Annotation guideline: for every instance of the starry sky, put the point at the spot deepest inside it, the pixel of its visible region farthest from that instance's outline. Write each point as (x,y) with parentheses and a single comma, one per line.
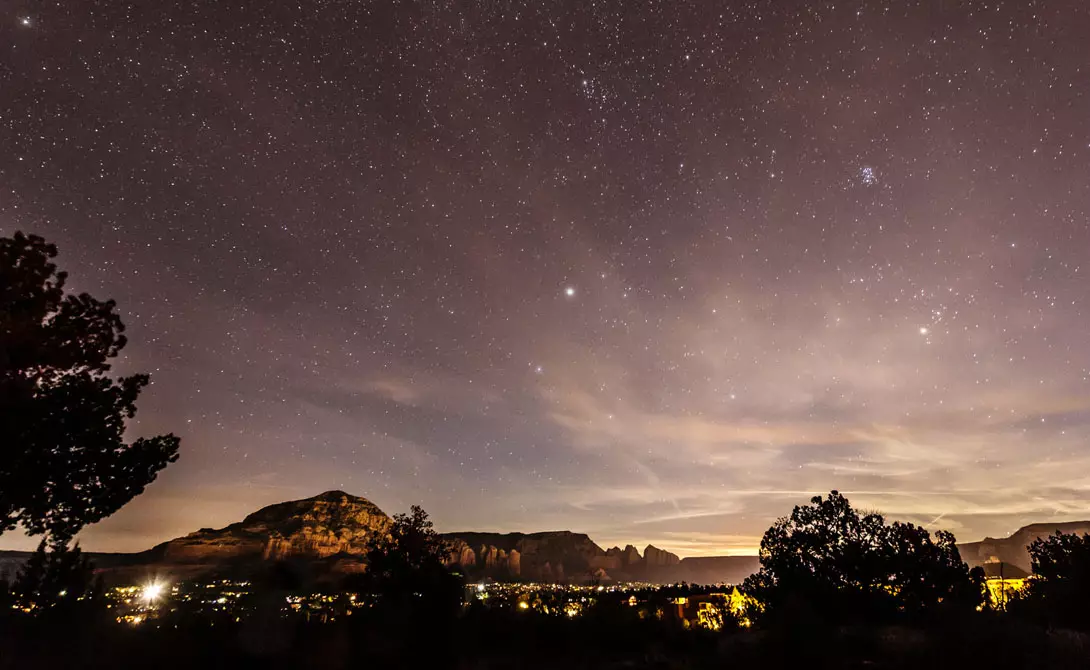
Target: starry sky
(654,271)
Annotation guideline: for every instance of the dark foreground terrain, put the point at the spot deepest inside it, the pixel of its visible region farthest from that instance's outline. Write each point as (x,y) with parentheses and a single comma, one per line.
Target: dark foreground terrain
(488,639)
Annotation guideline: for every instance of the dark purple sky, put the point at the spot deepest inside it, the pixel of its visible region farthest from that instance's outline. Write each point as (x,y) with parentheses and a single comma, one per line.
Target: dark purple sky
(656,271)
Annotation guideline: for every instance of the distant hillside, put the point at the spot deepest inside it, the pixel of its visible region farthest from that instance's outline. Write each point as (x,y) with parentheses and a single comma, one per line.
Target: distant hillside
(1012,550)
(548,556)
(564,555)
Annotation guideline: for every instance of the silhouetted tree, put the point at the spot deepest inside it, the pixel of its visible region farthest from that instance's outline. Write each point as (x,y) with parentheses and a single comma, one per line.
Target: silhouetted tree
(827,562)
(63,462)
(406,572)
(54,576)
(1059,591)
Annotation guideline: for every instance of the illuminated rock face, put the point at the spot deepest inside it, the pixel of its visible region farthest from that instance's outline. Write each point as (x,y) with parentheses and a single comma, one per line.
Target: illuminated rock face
(462,555)
(539,556)
(325,525)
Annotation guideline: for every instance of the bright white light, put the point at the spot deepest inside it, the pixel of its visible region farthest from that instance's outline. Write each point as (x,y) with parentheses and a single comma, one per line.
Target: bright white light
(153,591)
(25,21)
(569,291)
(924,330)
(480,588)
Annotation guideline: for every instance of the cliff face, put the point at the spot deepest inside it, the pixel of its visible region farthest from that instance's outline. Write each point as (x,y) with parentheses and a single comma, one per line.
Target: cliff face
(533,556)
(653,557)
(559,555)
(1013,549)
(315,528)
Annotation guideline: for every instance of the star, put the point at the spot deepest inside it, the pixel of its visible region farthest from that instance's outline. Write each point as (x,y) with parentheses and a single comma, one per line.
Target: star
(25,21)
(924,330)
(569,291)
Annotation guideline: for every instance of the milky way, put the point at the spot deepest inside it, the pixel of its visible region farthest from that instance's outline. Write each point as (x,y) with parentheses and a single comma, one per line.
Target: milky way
(655,271)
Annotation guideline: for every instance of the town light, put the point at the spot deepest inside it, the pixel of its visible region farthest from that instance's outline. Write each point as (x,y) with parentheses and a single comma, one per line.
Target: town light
(153,592)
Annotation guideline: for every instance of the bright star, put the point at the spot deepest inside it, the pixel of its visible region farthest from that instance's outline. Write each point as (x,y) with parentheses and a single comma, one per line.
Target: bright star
(924,330)
(25,21)
(569,291)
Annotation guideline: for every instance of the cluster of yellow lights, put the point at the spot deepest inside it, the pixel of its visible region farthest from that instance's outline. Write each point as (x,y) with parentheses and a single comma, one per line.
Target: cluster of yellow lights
(1000,591)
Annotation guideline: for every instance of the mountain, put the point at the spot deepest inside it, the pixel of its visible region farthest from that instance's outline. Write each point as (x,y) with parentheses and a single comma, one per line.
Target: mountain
(325,534)
(315,528)
(1013,550)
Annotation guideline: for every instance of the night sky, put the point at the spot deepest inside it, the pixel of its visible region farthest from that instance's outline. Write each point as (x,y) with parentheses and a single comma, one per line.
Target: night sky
(654,271)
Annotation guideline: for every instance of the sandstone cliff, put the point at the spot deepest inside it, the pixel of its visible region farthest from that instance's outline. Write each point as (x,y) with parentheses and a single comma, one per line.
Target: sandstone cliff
(326,525)
(554,555)
(653,557)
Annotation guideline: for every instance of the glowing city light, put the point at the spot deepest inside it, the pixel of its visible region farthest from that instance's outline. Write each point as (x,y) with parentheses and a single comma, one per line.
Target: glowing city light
(152,592)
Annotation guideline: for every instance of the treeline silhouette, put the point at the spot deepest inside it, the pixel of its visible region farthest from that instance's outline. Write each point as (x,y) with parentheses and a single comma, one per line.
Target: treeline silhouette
(836,589)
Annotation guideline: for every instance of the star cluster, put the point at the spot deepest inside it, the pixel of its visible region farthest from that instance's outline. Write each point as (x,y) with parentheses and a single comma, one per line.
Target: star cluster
(654,271)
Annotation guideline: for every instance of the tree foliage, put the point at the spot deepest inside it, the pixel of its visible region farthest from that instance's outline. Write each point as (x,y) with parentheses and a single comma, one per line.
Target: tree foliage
(64,462)
(826,557)
(53,577)
(406,570)
(1060,588)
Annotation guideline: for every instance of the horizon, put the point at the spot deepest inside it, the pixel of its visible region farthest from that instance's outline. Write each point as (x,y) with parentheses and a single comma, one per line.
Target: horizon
(28,543)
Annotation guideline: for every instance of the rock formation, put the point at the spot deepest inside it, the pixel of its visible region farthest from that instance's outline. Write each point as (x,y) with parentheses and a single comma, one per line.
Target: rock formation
(462,555)
(533,556)
(653,557)
(326,525)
